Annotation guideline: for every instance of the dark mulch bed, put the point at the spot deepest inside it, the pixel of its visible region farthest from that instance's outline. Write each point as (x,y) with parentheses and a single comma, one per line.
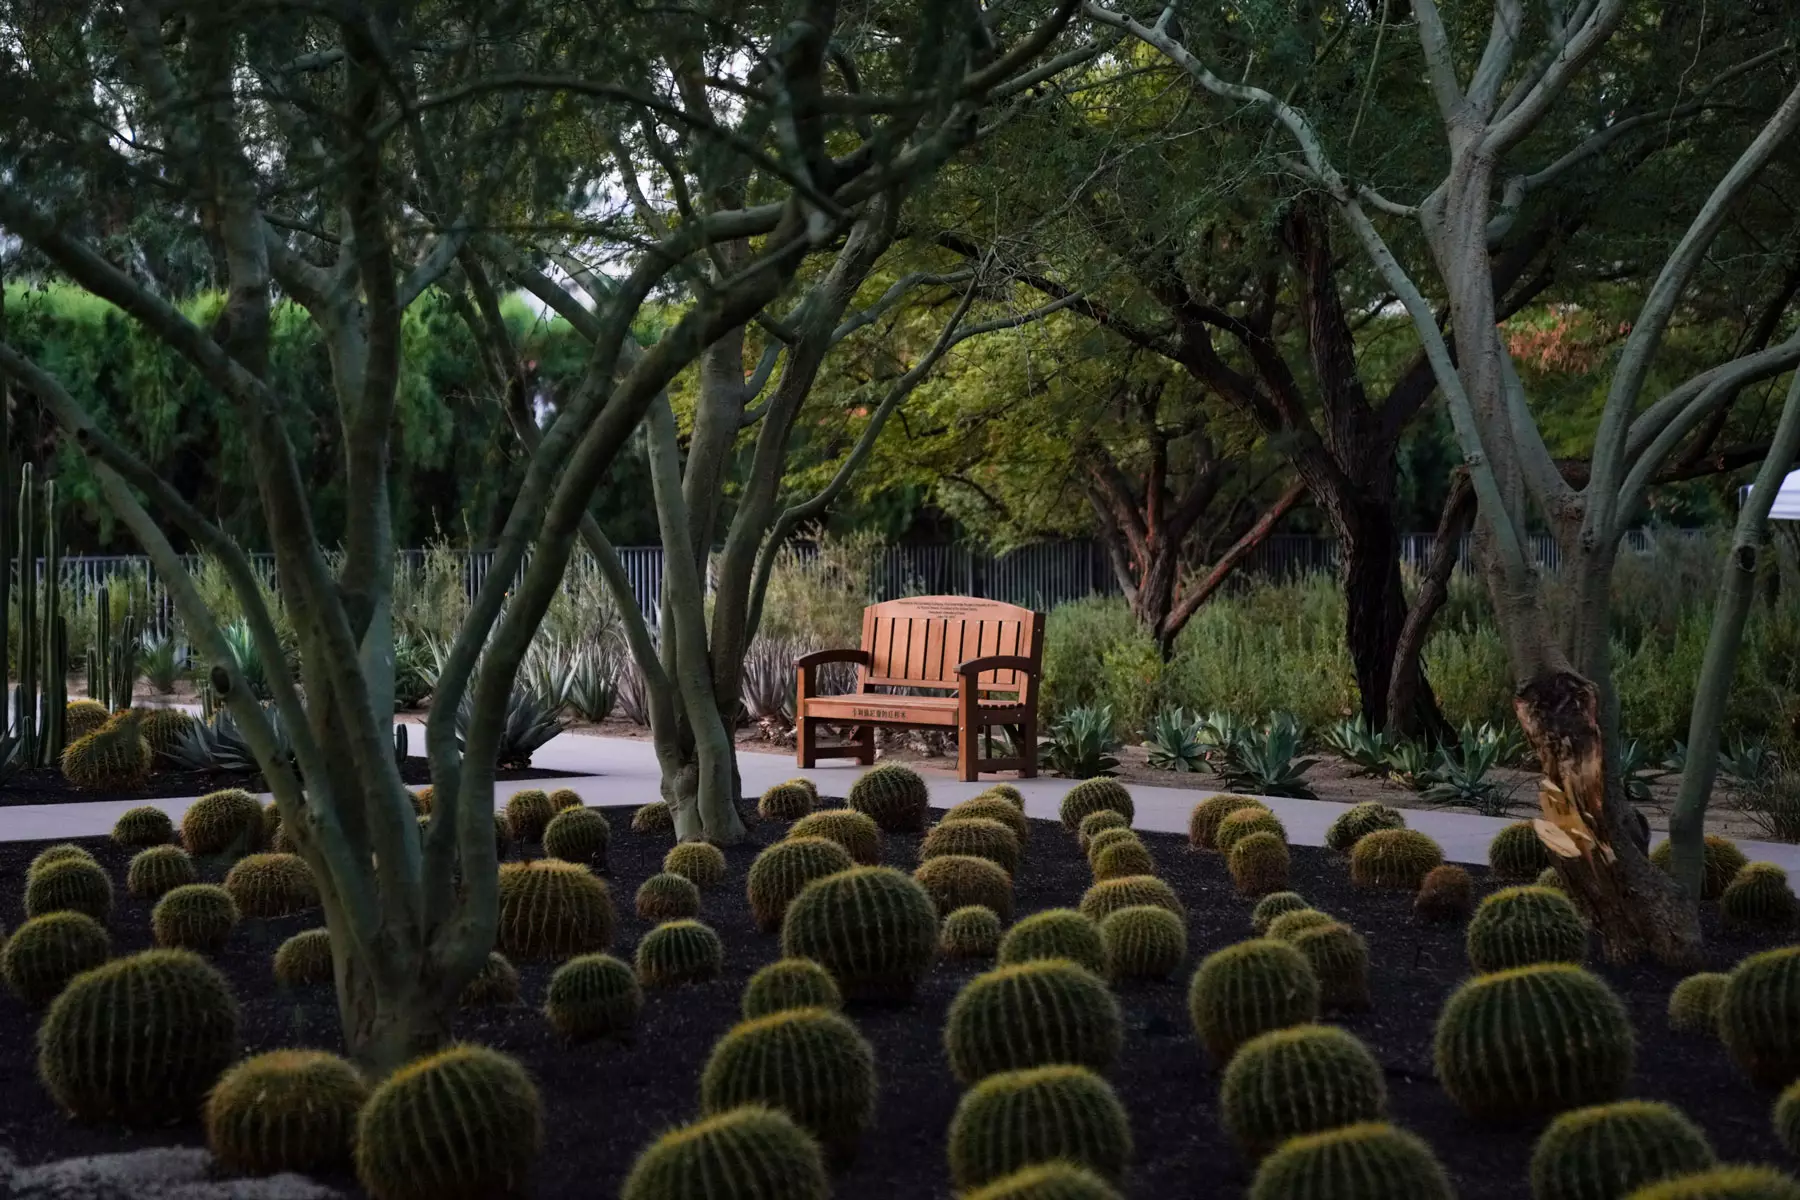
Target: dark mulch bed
(46,785)
(604,1102)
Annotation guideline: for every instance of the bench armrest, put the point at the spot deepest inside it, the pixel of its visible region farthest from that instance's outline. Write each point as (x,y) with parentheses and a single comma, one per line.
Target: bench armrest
(997,662)
(821,657)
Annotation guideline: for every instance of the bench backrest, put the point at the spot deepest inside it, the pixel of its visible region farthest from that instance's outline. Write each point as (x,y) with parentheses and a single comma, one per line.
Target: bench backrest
(918,641)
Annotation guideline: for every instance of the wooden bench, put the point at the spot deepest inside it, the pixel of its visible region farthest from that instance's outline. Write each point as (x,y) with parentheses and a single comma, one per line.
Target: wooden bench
(989,655)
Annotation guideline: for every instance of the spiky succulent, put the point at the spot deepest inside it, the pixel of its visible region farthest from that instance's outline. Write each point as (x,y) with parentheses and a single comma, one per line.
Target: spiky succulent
(854,831)
(1091,796)
(528,814)
(1694,1002)
(1242,823)
(272,885)
(1056,1113)
(1258,864)
(578,835)
(158,869)
(462,1124)
(1110,895)
(1097,821)
(61,852)
(787,801)
(1047,1181)
(1104,839)
(1055,933)
(1359,820)
(304,959)
(1006,792)
(68,885)
(1447,895)
(195,916)
(956,880)
(1759,1016)
(287,1110)
(701,862)
(1611,1150)
(1517,853)
(1758,897)
(44,953)
(654,817)
(1394,858)
(977,837)
(1291,1082)
(874,928)
(783,870)
(749,1153)
(678,952)
(593,996)
(1290,925)
(1340,960)
(893,796)
(1273,905)
(667,897)
(1123,859)
(553,909)
(1721,862)
(114,757)
(972,931)
(1521,925)
(1364,1161)
(1031,1014)
(1203,821)
(496,984)
(810,1063)
(1143,942)
(1787,1117)
(1724,1183)
(994,808)
(790,983)
(145,825)
(227,822)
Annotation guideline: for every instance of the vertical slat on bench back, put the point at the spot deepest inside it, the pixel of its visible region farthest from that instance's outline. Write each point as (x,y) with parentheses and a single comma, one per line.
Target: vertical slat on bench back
(919,641)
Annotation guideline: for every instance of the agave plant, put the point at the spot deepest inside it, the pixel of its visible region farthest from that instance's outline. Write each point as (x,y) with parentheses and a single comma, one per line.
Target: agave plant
(249,658)
(1173,740)
(1635,768)
(1408,764)
(1080,745)
(1463,775)
(162,662)
(1507,739)
(1363,748)
(544,672)
(768,684)
(591,687)
(1747,762)
(415,671)
(217,744)
(1263,761)
(530,722)
(1217,734)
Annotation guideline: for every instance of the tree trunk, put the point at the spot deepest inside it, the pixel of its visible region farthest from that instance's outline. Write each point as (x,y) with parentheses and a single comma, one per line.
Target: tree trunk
(386,1027)
(1375,616)
(1403,700)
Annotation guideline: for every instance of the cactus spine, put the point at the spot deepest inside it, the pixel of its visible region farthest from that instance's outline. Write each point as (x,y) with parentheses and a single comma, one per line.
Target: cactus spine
(1611,1150)
(972,931)
(1297,1081)
(790,983)
(1365,1161)
(1092,795)
(592,996)
(781,872)
(893,796)
(854,831)
(1518,926)
(957,880)
(287,1110)
(1032,1014)
(810,1063)
(749,1153)
(1055,933)
(678,952)
(1759,1016)
(1057,1113)
(1143,942)
(874,928)
(1694,1002)
(46,952)
(462,1124)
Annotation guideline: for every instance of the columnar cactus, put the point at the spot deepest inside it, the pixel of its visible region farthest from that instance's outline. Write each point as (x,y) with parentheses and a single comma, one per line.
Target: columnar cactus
(654,817)
(1110,895)
(667,897)
(1258,864)
(228,822)
(1031,1014)
(975,837)
(1694,1003)
(1365,1161)
(1759,1016)
(1521,925)
(1123,859)
(1517,853)
(578,835)
(790,983)
(1340,959)
(69,885)
(287,1110)
(195,916)
(1092,795)
(1097,821)
(893,796)
(1273,905)
(809,1063)
(1143,942)
(1394,858)
(874,928)
(139,1039)
(1290,925)
(1447,895)
(702,862)
(46,952)
(1723,860)
(787,801)
(957,880)
(1055,933)
(145,825)
(272,885)
(528,814)
(1047,1181)
(749,1153)
(1203,821)
(1057,1113)
(854,831)
(1290,1082)
(1104,839)
(972,931)
(304,959)
(496,984)
(1724,1183)
(1759,897)
(462,1124)
(1359,820)
(114,757)
(553,909)
(993,808)
(1241,823)
(1611,1150)
(1533,1040)
(593,996)
(678,952)
(782,871)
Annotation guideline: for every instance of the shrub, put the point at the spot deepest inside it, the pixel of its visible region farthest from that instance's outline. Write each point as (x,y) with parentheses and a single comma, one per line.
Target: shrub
(893,796)
(1759,897)
(1055,933)
(1694,1002)
(654,817)
(957,880)
(1365,1161)
(304,959)
(1759,1016)
(1031,1014)
(195,916)
(113,758)
(552,909)
(854,831)
(787,801)
(1787,1118)
(1533,1040)
(678,952)
(495,983)
(272,885)
(1446,895)
(1722,861)
(780,872)
(593,996)
(1517,852)
(994,808)
(701,862)
(974,837)
(578,835)
(287,1110)
(1095,822)
(1047,1181)
(1057,1113)
(1290,1082)
(1110,895)
(790,983)
(1203,821)
(68,885)
(1091,796)
(1242,822)
(1521,925)
(1143,942)
(1258,864)
(748,1153)
(1394,858)
(1340,960)
(1107,838)
(667,897)
(462,1124)
(46,952)
(809,1063)
(138,1039)
(228,822)
(528,814)
(1290,925)
(1359,820)
(972,931)
(1724,1183)
(145,825)
(1123,859)
(874,928)
(1611,1150)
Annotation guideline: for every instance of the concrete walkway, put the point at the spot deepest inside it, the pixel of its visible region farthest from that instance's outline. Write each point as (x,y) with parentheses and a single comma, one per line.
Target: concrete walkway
(619,771)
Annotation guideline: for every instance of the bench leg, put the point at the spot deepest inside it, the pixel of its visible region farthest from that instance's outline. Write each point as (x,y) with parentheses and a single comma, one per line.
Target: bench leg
(806,743)
(1028,750)
(865,745)
(968,754)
